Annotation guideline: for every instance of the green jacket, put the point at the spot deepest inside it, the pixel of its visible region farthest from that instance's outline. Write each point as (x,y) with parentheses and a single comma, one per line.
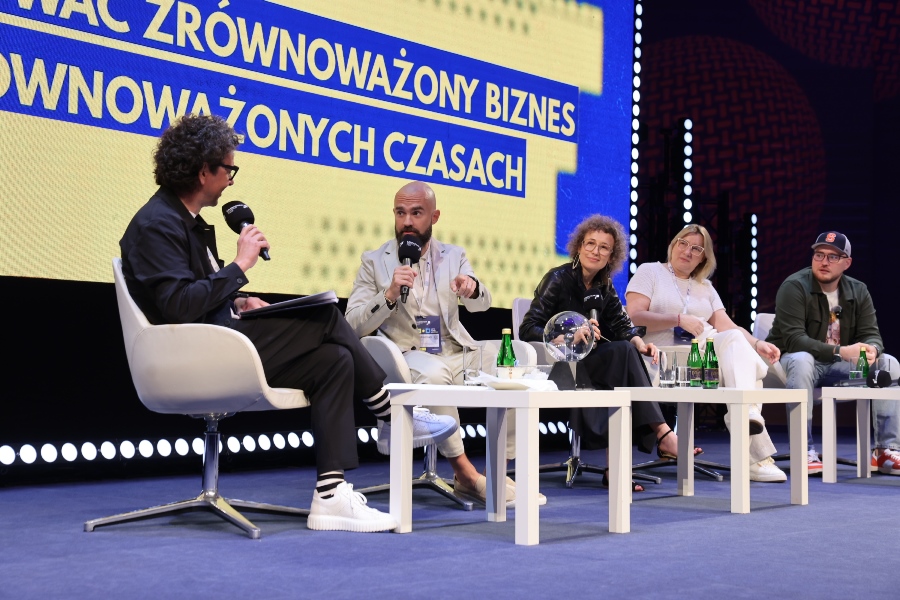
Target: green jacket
(802,315)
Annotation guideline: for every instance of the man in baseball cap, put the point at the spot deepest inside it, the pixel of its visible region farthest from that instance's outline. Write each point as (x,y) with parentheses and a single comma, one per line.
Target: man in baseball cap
(823,319)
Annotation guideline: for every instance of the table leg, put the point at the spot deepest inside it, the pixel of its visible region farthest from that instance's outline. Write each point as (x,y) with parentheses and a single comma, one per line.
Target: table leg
(401,466)
(685,467)
(527,457)
(863,447)
(829,441)
(799,469)
(740,458)
(619,470)
(496,464)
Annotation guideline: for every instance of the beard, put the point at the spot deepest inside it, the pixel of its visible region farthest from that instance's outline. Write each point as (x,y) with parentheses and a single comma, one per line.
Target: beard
(826,279)
(424,236)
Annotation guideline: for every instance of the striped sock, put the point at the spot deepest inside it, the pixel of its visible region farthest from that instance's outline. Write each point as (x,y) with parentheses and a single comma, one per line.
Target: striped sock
(326,482)
(380,405)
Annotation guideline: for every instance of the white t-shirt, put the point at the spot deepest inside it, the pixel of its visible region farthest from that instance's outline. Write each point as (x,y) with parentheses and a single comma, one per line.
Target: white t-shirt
(668,295)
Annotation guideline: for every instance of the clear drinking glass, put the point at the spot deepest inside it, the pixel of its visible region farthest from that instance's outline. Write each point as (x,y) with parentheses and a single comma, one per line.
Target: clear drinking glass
(683,376)
(471,364)
(666,370)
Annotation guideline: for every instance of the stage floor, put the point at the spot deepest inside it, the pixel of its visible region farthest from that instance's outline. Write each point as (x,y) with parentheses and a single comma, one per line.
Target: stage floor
(842,545)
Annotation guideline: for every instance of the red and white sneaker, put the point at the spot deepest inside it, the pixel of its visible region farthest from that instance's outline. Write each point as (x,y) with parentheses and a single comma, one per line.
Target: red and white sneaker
(813,462)
(889,462)
(873,466)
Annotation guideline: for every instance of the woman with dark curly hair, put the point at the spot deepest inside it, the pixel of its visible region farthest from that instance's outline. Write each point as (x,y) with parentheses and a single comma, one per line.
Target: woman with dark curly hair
(597,250)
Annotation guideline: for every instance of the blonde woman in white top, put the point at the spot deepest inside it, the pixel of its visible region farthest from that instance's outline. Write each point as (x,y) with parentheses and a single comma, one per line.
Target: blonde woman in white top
(677,295)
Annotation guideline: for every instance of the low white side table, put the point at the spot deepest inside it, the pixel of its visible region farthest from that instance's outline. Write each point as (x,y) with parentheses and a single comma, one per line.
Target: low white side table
(862,395)
(527,404)
(738,402)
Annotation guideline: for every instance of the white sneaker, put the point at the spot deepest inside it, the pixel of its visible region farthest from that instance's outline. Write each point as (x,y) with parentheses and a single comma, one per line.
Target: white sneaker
(765,470)
(814,464)
(428,428)
(346,510)
(757,423)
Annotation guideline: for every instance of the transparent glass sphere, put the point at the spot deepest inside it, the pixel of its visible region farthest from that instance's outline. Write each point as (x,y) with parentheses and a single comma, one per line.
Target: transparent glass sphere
(568,336)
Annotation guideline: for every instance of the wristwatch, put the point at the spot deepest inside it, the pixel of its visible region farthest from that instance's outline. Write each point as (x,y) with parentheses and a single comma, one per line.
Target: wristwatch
(390,305)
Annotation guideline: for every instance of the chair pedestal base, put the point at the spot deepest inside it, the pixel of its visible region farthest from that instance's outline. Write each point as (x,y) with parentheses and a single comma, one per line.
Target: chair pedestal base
(218,505)
(209,498)
(429,480)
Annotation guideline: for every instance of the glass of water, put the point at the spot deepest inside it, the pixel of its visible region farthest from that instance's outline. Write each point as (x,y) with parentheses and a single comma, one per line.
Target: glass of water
(666,370)
(683,376)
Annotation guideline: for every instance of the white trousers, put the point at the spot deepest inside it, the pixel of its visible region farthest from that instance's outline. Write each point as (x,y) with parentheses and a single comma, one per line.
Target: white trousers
(447,369)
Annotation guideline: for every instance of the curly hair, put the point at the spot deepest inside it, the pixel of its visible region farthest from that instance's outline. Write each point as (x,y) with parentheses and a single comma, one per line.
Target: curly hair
(708,265)
(607,225)
(188,144)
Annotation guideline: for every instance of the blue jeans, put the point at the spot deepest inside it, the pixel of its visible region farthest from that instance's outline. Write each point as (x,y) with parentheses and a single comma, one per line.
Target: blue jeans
(804,372)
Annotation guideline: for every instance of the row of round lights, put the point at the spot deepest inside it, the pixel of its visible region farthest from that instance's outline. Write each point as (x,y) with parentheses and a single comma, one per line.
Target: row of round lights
(635,137)
(69,452)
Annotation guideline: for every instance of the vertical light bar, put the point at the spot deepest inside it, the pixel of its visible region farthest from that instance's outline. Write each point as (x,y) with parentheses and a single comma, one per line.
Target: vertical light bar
(754,255)
(635,138)
(685,148)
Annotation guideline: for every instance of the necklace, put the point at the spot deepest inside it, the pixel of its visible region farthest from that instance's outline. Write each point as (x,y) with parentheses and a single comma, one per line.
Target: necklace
(684,298)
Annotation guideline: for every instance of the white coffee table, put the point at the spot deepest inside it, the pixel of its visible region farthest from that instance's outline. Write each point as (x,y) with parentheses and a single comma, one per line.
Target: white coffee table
(527,404)
(738,402)
(862,395)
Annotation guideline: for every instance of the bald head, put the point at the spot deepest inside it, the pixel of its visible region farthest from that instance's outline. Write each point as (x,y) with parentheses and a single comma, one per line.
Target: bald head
(417,191)
(415,210)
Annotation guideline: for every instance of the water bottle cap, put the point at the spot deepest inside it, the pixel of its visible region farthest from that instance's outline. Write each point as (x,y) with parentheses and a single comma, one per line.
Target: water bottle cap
(709,339)
(505,331)
(695,341)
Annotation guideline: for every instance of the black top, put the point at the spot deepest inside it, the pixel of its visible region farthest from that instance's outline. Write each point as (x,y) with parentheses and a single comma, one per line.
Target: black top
(167,266)
(562,289)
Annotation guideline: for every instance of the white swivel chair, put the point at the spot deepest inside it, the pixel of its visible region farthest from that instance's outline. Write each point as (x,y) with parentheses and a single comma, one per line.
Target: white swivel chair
(389,357)
(204,371)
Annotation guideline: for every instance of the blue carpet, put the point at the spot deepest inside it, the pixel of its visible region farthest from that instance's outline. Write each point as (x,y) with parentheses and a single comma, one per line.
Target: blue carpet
(842,545)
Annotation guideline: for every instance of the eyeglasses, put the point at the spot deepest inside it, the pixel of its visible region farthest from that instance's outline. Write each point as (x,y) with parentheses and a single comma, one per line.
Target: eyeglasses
(592,246)
(232,170)
(682,244)
(832,258)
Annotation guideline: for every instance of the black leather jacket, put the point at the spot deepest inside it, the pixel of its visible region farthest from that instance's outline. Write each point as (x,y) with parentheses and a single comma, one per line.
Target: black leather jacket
(562,289)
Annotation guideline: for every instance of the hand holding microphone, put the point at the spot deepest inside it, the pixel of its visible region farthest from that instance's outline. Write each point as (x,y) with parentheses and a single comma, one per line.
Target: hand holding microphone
(251,243)
(409,251)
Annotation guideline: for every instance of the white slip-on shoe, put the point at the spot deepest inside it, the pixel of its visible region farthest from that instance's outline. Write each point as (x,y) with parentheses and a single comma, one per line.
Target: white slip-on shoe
(428,428)
(346,510)
(766,471)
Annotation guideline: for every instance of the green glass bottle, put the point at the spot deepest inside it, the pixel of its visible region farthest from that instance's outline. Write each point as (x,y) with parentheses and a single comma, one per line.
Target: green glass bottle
(506,357)
(863,363)
(695,364)
(710,366)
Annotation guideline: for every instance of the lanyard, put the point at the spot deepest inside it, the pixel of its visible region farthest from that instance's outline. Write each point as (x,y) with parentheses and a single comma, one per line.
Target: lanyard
(427,276)
(684,299)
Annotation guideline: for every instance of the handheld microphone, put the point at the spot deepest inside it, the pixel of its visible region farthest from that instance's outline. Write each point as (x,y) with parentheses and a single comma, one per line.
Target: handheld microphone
(878,379)
(409,250)
(593,300)
(238,215)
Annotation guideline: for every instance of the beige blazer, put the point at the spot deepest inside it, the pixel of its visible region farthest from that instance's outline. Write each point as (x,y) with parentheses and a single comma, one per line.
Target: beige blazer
(367,311)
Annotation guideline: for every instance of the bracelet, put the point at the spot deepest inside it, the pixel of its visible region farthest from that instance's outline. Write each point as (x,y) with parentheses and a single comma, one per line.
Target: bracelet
(678,324)
(756,345)
(388,303)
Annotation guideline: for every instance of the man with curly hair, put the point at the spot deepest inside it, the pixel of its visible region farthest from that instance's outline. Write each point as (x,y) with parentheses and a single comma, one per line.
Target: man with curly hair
(173,272)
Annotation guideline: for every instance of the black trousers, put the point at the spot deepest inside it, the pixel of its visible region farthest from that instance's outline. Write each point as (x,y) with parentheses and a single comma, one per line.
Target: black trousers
(610,365)
(318,352)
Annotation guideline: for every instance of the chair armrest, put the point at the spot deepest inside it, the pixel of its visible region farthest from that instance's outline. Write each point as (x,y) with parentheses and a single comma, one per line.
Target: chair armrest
(389,357)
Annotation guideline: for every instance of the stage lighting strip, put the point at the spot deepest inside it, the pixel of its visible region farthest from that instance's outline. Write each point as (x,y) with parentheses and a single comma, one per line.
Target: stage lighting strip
(635,138)
(688,174)
(127,450)
(753,267)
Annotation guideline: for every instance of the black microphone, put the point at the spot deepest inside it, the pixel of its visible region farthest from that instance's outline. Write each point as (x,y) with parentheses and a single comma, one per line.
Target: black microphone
(878,379)
(593,300)
(238,215)
(409,250)
(836,311)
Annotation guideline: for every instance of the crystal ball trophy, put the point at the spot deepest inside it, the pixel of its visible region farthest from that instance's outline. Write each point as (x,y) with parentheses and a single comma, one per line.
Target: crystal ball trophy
(569,337)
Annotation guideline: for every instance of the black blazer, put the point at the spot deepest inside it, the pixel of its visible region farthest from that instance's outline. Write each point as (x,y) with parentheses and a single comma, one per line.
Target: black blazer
(167,267)
(562,289)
